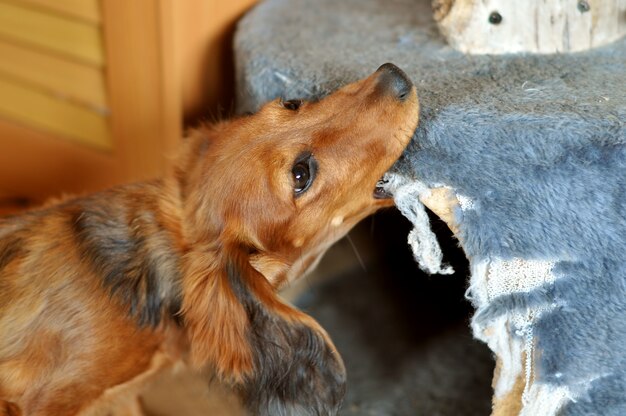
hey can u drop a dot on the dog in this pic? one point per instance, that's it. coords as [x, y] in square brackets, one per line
[100, 292]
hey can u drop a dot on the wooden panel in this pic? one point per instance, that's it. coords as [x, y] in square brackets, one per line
[88, 10]
[206, 54]
[12, 206]
[83, 83]
[34, 166]
[144, 96]
[35, 108]
[69, 37]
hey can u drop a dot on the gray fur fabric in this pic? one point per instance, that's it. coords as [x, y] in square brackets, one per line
[533, 146]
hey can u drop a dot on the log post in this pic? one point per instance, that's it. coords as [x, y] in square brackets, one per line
[536, 26]
[442, 202]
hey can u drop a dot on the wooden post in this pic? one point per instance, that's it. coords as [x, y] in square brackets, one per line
[539, 26]
[144, 98]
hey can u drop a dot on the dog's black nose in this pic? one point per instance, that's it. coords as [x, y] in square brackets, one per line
[392, 80]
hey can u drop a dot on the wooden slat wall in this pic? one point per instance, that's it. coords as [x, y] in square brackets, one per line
[155, 55]
[52, 74]
[72, 38]
[38, 109]
[88, 10]
[60, 77]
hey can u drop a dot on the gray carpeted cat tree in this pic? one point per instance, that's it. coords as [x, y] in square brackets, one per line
[522, 154]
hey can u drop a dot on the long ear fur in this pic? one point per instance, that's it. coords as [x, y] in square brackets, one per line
[282, 362]
[216, 321]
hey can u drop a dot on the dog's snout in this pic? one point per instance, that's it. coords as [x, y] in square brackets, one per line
[393, 81]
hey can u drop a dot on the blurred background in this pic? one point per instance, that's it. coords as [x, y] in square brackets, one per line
[97, 93]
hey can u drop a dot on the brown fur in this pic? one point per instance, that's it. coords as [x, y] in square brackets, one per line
[187, 267]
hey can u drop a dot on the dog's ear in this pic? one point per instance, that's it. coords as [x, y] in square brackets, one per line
[217, 323]
[297, 370]
[282, 362]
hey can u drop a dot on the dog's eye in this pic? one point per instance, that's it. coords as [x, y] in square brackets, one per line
[292, 105]
[303, 172]
[301, 176]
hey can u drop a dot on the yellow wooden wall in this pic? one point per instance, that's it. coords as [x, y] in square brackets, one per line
[94, 92]
[52, 68]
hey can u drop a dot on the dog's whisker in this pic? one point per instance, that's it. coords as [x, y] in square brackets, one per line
[356, 253]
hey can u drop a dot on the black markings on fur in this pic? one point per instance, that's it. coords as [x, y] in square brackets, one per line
[118, 252]
[296, 371]
[174, 309]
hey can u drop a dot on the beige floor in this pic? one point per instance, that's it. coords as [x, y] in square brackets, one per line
[186, 394]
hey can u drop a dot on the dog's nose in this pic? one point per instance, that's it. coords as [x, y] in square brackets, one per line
[392, 80]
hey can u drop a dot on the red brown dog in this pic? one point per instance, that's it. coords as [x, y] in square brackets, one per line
[98, 292]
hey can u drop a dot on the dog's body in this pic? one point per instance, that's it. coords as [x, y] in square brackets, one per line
[98, 292]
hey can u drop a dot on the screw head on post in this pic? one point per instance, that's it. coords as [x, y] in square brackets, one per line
[495, 18]
[583, 6]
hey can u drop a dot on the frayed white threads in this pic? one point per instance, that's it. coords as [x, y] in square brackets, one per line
[490, 280]
[422, 240]
[466, 203]
[525, 330]
[544, 399]
[517, 275]
[521, 275]
[508, 350]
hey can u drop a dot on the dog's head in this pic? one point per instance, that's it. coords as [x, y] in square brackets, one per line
[292, 179]
[263, 197]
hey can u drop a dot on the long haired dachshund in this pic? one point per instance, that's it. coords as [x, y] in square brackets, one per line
[99, 292]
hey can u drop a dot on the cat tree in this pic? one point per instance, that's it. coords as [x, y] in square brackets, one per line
[520, 149]
[538, 26]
